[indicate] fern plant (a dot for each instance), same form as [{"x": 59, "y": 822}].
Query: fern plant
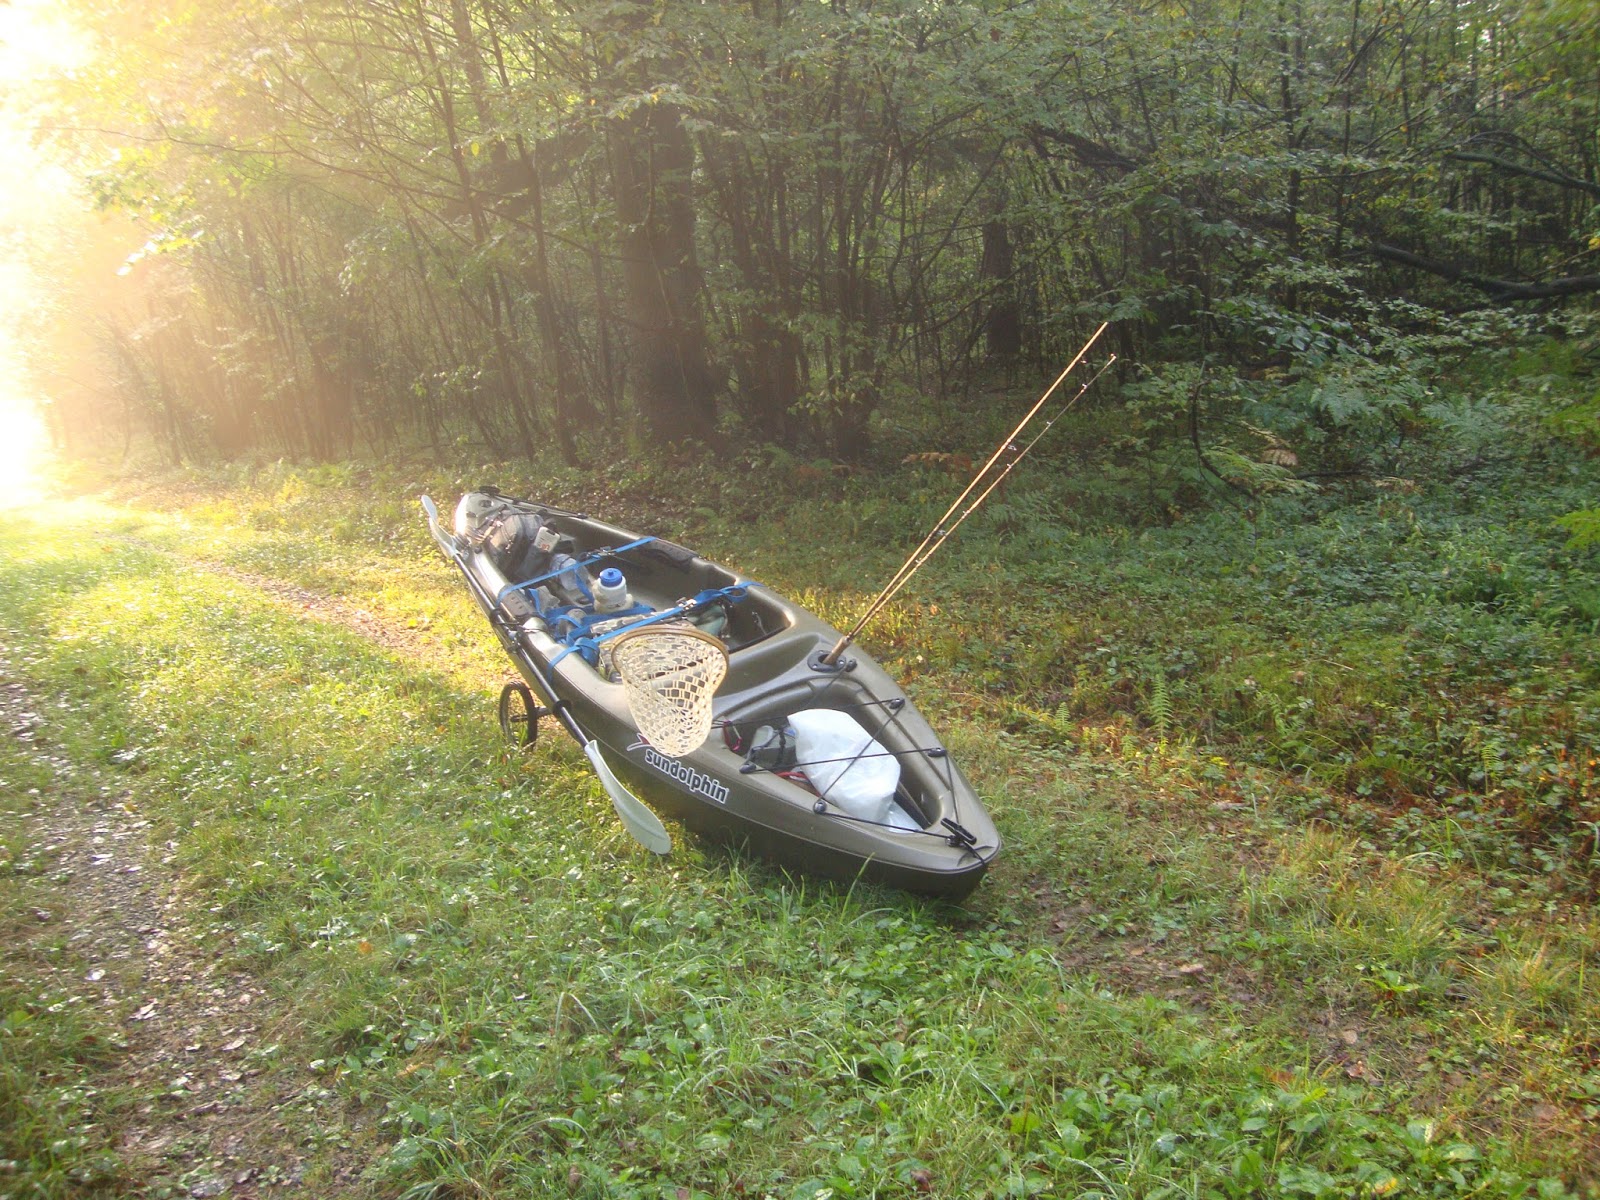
[{"x": 1158, "y": 701}]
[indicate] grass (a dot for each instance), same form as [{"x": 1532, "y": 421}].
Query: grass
[{"x": 1296, "y": 899}]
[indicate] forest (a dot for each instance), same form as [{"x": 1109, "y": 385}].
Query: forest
[
  {"x": 617, "y": 224},
  {"x": 1277, "y": 665}
]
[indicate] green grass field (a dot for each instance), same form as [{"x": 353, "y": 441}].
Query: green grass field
[{"x": 1300, "y": 809}]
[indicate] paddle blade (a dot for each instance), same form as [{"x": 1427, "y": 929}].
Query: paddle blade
[{"x": 643, "y": 824}]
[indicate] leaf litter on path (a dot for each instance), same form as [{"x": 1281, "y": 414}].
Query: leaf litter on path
[{"x": 204, "y": 1116}]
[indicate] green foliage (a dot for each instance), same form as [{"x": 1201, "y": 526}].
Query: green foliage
[
  {"x": 368, "y": 225},
  {"x": 1584, "y": 526},
  {"x": 1416, "y": 643}
]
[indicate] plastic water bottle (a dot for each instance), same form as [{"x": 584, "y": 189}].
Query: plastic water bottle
[{"x": 611, "y": 591}]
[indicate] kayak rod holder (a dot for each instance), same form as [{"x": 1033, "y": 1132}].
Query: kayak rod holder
[{"x": 829, "y": 662}]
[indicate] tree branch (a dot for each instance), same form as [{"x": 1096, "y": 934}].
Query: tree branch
[
  {"x": 1560, "y": 178},
  {"x": 1093, "y": 154},
  {"x": 1503, "y": 291}
]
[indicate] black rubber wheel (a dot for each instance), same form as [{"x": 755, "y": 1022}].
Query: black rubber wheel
[{"x": 519, "y": 715}]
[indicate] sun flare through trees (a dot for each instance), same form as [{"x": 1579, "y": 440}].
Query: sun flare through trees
[{"x": 363, "y": 225}]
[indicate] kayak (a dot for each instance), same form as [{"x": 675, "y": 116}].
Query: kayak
[{"x": 824, "y": 767}]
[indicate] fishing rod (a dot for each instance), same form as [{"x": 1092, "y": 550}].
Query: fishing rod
[
  {"x": 999, "y": 478},
  {"x": 939, "y": 533}
]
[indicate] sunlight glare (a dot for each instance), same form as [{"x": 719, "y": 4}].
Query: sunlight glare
[
  {"x": 35, "y": 196},
  {"x": 24, "y": 446},
  {"x": 36, "y": 39}
]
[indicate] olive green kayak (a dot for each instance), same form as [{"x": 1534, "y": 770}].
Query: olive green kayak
[{"x": 825, "y": 768}]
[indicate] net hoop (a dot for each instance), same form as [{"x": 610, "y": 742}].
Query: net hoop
[{"x": 669, "y": 674}]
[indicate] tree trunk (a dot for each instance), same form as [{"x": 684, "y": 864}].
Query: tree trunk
[
  {"x": 1003, "y": 324},
  {"x": 651, "y": 164}
]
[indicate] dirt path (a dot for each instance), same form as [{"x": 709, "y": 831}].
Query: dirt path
[
  {"x": 324, "y": 608},
  {"x": 199, "y": 1099}
]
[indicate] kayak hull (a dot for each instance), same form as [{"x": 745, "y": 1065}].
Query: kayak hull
[{"x": 942, "y": 840}]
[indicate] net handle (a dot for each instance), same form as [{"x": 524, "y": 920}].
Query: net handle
[{"x": 688, "y": 631}]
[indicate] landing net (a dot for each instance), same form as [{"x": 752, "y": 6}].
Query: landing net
[{"x": 669, "y": 674}]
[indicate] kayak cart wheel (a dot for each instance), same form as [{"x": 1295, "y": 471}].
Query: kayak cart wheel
[{"x": 519, "y": 715}]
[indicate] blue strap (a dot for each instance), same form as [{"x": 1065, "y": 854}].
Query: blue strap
[
  {"x": 593, "y": 556},
  {"x": 589, "y": 647}
]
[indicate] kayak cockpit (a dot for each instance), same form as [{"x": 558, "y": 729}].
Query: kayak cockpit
[
  {"x": 548, "y": 572},
  {"x": 851, "y": 731}
]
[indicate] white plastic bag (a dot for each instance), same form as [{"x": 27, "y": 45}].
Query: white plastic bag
[{"x": 843, "y": 762}]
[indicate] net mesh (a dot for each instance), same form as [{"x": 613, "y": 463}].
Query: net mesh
[{"x": 669, "y": 674}]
